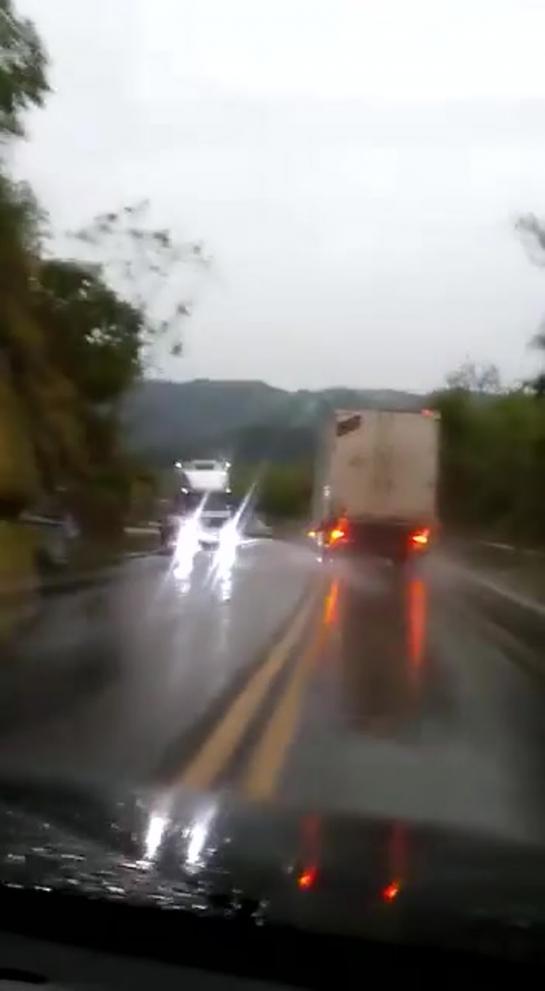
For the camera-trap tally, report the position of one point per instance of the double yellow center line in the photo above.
(270, 754)
(266, 763)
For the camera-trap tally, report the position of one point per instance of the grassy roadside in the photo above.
(37, 560)
(86, 556)
(520, 570)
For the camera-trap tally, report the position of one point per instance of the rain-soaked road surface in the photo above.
(330, 687)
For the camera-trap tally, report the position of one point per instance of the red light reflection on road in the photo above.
(397, 851)
(331, 613)
(307, 878)
(417, 617)
(310, 851)
(391, 891)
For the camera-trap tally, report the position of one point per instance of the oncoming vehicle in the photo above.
(201, 515)
(205, 475)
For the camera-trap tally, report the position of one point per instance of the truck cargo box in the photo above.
(379, 468)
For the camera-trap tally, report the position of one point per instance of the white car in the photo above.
(197, 517)
(211, 525)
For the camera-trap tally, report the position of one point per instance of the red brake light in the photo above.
(391, 891)
(336, 534)
(307, 878)
(419, 538)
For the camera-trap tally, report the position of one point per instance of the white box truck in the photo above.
(205, 476)
(376, 481)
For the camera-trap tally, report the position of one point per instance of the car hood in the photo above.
(384, 879)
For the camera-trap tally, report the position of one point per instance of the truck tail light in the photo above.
(420, 538)
(337, 533)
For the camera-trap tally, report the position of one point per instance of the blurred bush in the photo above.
(282, 491)
(493, 463)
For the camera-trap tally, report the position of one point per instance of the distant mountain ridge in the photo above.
(242, 419)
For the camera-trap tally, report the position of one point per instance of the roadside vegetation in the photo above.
(75, 334)
(283, 490)
(493, 440)
(493, 463)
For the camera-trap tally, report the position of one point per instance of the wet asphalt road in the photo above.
(328, 687)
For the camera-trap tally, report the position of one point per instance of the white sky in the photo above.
(353, 166)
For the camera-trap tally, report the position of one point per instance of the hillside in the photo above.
(245, 420)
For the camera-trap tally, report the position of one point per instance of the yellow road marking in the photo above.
(222, 742)
(270, 754)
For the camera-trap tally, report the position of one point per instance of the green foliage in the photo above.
(22, 69)
(532, 232)
(94, 336)
(70, 344)
(493, 463)
(48, 413)
(18, 468)
(283, 491)
(475, 378)
(102, 503)
(43, 439)
(73, 335)
(145, 266)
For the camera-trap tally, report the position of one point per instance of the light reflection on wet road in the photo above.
(417, 708)
(336, 687)
(109, 679)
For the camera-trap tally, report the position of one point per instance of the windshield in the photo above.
(283, 263)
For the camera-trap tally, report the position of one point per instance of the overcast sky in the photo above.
(353, 166)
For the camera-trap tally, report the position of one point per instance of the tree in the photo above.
(49, 433)
(94, 336)
(23, 63)
(470, 377)
(493, 463)
(282, 491)
(145, 265)
(73, 334)
(532, 231)
(40, 422)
